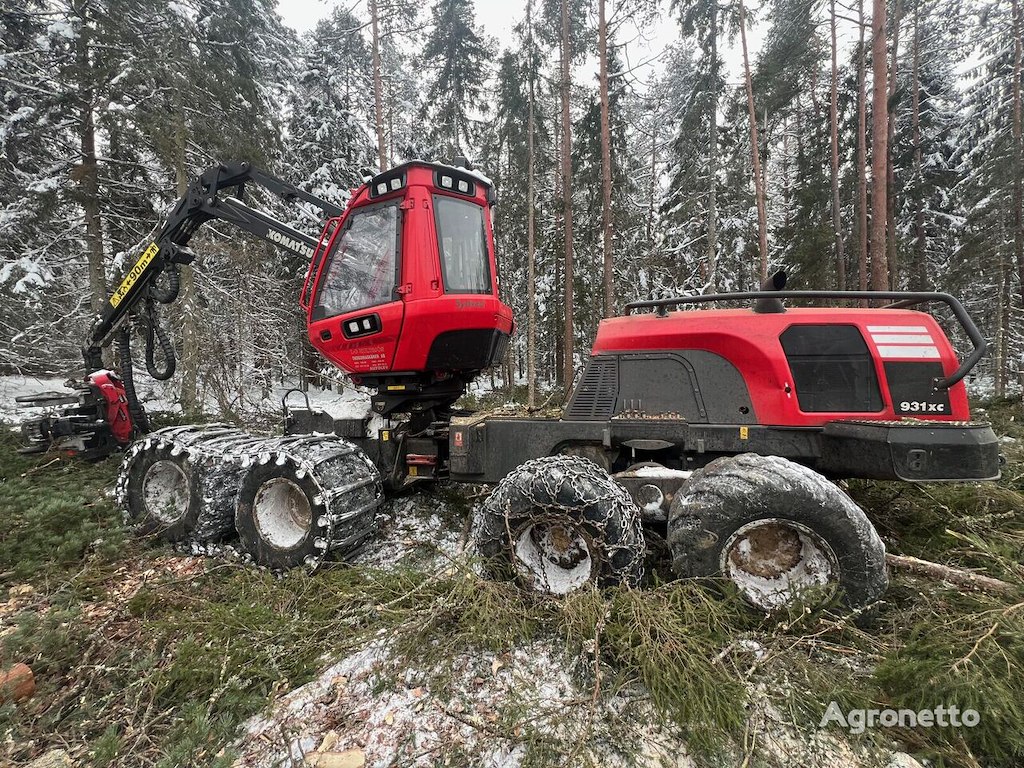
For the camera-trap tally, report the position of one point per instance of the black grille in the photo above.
(832, 369)
(597, 392)
(467, 350)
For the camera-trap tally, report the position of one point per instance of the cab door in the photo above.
(355, 310)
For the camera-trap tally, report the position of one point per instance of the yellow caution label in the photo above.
(744, 433)
(134, 274)
(385, 435)
(396, 387)
(413, 472)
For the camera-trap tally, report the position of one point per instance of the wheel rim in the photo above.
(554, 558)
(774, 562)
(165, 492)
(282, 513)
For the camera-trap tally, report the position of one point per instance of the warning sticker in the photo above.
(134, 274)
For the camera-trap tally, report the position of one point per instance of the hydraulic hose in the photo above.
(138, 413)
(156, 335)
(167, 294)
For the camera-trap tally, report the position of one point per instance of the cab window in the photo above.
(462, 243)
(361, 268)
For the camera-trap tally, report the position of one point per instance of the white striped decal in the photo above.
(902, 338)
(907, 342)
(897, 329)
(914, 353)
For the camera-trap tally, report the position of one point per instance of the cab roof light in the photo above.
(385, 183)
(455, 181)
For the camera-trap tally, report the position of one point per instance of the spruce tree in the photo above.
(456, 58)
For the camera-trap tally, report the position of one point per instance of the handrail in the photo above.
(900, 300)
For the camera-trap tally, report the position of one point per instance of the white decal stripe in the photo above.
(902, 338)
(914, 353)
(897, 329)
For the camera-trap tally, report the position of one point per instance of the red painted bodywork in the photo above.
(111, 388)
(751, 342)
(410, 324)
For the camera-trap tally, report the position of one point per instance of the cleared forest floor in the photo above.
(147, 656)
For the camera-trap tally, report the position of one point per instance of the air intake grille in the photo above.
(597, 392)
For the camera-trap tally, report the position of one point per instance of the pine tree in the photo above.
(395, 90)
(787, 85)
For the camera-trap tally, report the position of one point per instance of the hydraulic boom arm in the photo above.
(104, 412)
(203, 201)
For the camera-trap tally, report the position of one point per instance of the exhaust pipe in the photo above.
(772, 306)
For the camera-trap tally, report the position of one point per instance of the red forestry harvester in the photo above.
(714, 429)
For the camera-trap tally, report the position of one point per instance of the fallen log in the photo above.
(957, 576)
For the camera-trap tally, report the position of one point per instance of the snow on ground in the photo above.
(351, 402)
(480, 708)
(488, 710)
(17, 386)
(420, 530)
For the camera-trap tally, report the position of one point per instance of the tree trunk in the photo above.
(531, 245)
(558, 293)
(957, 576)
(711, 266)
(606, 159)
(378, 106)
(567, 196)
(879, 148)
(892, 254)
(652, 186)
(919, 269)
(862, 156)
(837, 232)
(787, 174)
(1018, 148)
(87, 173)
(190, 401)
(755, 153)
(1002, 356)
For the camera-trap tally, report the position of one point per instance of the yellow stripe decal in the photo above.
(134, 274)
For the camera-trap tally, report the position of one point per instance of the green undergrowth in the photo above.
(55, 514)
(149, 666)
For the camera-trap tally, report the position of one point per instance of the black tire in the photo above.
(304, 501)
(775, 528)
(164, 494)
(571, 504)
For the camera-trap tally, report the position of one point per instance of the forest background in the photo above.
(863, 146)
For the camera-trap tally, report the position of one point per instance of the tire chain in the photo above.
(552, 483)
(223, 454)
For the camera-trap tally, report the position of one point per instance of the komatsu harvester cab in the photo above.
(402, 290)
